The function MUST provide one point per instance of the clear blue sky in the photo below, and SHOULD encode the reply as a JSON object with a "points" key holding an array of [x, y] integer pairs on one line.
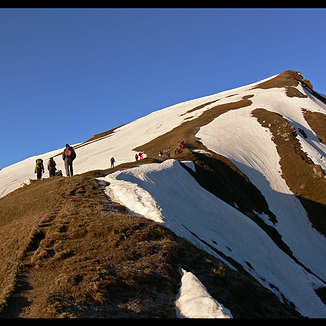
{"points": [[67, 74]]}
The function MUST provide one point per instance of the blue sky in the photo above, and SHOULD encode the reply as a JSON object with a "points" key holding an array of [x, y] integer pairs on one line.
{"points": [[67, 74]]}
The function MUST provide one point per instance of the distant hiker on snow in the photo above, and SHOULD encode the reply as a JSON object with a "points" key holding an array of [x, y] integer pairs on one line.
{"points": [[136, 157], [112, 162], [39, 168], [51, 167], [68, 156]]}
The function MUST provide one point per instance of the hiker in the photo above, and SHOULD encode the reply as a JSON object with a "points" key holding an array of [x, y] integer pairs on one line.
{"points": [[136, 157], [112, 162], [140, 156], [39, 168], [51, 167], [68, 156]]}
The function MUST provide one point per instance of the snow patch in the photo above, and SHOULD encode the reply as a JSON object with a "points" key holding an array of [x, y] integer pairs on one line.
{"points": [[136, 199], [194, 301], [26, 182]]}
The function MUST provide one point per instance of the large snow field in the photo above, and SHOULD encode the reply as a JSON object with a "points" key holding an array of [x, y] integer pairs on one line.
{"points": [[238, 136], [168, 194], [120, 144]]}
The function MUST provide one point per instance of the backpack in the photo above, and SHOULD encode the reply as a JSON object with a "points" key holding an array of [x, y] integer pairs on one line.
{"points": [[39, 162], [52, 163], [69, 152]]}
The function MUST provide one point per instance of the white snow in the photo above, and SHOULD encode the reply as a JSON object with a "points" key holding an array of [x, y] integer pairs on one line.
{"points": [[11, 177], [238, 136], [189, 164], [175, 199], [193, 300], [26, 183]]}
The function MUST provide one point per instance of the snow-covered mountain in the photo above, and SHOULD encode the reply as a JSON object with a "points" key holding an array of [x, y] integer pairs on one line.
{"points": [[249, 187]]}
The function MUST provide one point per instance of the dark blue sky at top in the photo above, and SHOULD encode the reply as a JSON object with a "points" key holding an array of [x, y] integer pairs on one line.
{"points": [[67, 74]]}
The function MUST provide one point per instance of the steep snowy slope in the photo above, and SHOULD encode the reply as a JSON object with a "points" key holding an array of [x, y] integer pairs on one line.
{"points": [[120, 143], [167, 194], [238, 136], [256, 137]]}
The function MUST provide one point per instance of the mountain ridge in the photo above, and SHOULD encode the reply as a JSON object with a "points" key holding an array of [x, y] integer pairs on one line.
{"points": [[258, 149], [98, 261]]}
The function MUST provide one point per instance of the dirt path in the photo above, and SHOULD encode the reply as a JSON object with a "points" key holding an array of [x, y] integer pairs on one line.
{"points": [[83, 249], [28, 283]]}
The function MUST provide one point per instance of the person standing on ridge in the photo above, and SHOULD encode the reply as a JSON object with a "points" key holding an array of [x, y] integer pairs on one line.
{"points": [[39, 168], [112, 162], [68, 156], [51, 167]]}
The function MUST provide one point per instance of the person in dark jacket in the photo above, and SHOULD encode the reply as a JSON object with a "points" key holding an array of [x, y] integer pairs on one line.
{"points": [[112, 162], [39, 168], [68, 156], [51, 167]]}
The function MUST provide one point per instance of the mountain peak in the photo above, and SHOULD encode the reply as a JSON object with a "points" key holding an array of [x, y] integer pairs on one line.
{"points": [[288, 78]]}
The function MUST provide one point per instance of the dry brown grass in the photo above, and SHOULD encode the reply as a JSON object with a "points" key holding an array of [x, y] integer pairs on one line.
{"points": [[83, 260], [79, 255], [21, 212], [288, 79], [317, 122], [188, 130]]}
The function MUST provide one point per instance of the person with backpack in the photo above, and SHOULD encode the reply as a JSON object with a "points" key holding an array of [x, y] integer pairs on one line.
{"points": [[39, 168], [51, 167], [68, 156]]}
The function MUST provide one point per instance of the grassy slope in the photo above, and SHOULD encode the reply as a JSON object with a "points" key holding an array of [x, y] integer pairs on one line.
{"points": [[69, 252]]}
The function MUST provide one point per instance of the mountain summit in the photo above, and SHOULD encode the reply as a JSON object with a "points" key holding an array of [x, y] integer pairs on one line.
{"points": [[240, 174]]}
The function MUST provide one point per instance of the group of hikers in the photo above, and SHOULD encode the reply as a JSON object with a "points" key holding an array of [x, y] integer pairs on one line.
{"points": [[68, 155], [138, 157], [166, 152]]}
